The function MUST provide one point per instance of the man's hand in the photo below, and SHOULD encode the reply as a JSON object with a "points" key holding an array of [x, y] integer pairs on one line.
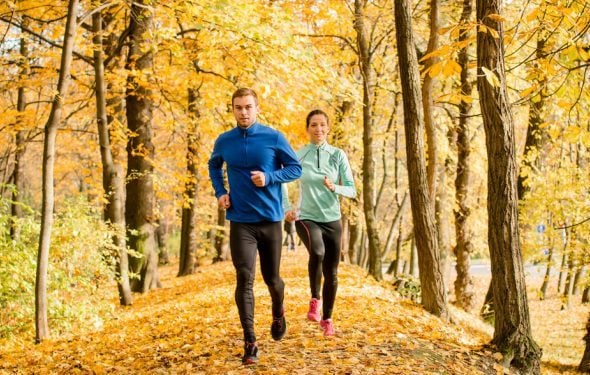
{"points": [[224, 202], [257, 178], [329, 184], [291, 215]]}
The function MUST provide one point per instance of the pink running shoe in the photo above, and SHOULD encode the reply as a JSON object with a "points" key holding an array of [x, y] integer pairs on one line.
{"points": [[328, 327], [314, 310]]}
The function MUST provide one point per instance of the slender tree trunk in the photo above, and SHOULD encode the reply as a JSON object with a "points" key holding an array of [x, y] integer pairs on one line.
{"points": [[427, 101], [368, 141], [434, 296], [353, 244], [547, 275], [464, 293], [512, 333], [139, 204], [394, 225], [188, 234], [585, 363], [580, 275], [398, 251], [414, 258], [41, 325], [586, 295], [111, 175], [569, 290], [564, 261], [536, 136], [18, 178]]}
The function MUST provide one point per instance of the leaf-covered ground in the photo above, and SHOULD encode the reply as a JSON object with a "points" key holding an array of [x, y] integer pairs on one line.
{"points": [[191, 326]]}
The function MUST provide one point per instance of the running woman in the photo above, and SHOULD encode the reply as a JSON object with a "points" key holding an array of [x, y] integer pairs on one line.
{"points": [[326, 176], [258, 161]]}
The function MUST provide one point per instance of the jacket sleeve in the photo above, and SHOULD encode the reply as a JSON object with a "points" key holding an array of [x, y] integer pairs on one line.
{"points": [[291, 169], [216, 171], [345, 187]]}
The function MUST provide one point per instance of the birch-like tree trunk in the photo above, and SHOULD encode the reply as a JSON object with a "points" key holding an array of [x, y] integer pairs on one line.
{"points": [[41, 324], [512, 333]]}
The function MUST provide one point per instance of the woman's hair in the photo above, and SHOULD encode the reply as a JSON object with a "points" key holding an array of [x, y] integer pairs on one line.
{"points": [[313, 113], [244, 92]]}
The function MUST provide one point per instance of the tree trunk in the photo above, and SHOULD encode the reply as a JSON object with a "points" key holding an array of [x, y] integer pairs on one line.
{"points": [[414, 258], [188, 233], [220, 237], [564, 261], [139, 205], [18, 178], [545, 284], [487, 311], [353, 244], [365, 57], [41, 325], [580, 275], [434, 296], [585, 363], [512, 333], [112, 180], [427, 101], [586, 295], [535, 136], [464, 293]]}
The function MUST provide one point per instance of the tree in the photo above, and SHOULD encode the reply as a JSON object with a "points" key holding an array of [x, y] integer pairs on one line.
{"points": [[140, 215], [188, 240], [464, 247], [585, 363], [434, 297], [512, 333], [111, 175], [41, 324], [365, 56]]}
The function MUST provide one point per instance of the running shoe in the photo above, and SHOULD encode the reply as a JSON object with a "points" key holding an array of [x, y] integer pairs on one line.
{"points": [[328, 327], [279, 326], [314, 310], [250, 353]]}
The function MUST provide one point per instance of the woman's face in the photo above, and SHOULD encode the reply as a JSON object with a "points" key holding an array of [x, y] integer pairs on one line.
{"points": [[318, 129]]}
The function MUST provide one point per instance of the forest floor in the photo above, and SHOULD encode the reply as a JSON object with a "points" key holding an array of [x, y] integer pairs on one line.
{"points": [[191, 326]]}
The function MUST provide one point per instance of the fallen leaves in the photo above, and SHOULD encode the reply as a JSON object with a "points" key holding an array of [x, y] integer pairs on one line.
{"points": [[192, 327]]}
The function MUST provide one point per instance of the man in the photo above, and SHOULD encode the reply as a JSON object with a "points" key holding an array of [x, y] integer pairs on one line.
{"points": [[258, 160]]}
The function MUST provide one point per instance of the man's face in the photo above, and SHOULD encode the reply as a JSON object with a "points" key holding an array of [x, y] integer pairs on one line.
{"points": [[245, 110]]}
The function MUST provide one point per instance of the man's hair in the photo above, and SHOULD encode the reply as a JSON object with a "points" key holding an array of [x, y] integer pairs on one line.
{"points": [[313, 113], [244, 92]]}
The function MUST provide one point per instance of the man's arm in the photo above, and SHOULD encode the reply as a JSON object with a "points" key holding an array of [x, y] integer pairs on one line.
{"points": [[216, 171], [291, 167]]}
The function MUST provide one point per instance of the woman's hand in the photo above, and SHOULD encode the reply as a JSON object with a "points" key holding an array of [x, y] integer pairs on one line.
{"points": [[329, 184], [291, 215]]}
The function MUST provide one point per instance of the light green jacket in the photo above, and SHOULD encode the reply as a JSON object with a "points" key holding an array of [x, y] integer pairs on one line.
{"points": [[316, 201]]}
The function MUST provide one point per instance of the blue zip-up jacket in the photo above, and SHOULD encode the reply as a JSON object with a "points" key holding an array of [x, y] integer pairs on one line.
{"points": [[258, 148]]}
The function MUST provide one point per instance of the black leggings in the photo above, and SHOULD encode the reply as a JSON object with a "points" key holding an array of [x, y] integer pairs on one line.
{"points": [[244, 240], [322, 241]]}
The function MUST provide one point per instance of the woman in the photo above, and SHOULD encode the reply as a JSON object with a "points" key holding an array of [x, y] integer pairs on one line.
{"points": [[326, 176]]}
